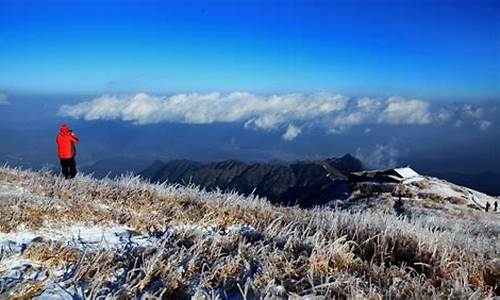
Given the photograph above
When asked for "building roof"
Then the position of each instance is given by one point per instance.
(406, 172)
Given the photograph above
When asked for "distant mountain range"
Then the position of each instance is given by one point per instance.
(306, 183)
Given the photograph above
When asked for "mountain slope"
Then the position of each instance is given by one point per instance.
(306, 183)
(124, 238)
(486, 182)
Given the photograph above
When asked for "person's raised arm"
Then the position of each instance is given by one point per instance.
(74, 137)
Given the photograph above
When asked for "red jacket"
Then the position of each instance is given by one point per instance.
(66, 141)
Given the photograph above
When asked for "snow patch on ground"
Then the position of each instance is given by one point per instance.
(78, 236)
(443, 189)
(8, 189)
(212, 229)
(447, 189)
(84, 237)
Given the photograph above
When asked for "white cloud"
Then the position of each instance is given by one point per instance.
(350, 118)
(368, 104)
(392, 111)
(361, 112)
(3, 98)
(332, 112)
(291, 133)
(261, 112)
(400, 111)
(483, 125)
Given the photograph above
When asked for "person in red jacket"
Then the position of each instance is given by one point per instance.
(66, 141)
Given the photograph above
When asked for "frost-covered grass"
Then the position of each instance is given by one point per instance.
(125, 238)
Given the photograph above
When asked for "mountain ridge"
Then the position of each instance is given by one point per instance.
(306, 183)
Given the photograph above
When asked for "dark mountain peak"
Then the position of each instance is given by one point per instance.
(345, 158)
(345, 164)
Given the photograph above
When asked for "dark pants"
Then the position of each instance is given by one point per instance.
(68, 167)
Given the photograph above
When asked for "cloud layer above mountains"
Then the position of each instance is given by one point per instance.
(290, 113)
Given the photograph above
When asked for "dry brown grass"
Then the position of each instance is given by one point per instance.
(291, 251)
(52, 254)
(29, 291)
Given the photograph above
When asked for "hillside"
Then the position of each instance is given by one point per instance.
(306, 183)
(88, 238)
(423, 197)
(484, 181)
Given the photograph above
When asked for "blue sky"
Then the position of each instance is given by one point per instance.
(426, 49)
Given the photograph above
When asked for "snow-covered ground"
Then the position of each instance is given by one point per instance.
(447, 190)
